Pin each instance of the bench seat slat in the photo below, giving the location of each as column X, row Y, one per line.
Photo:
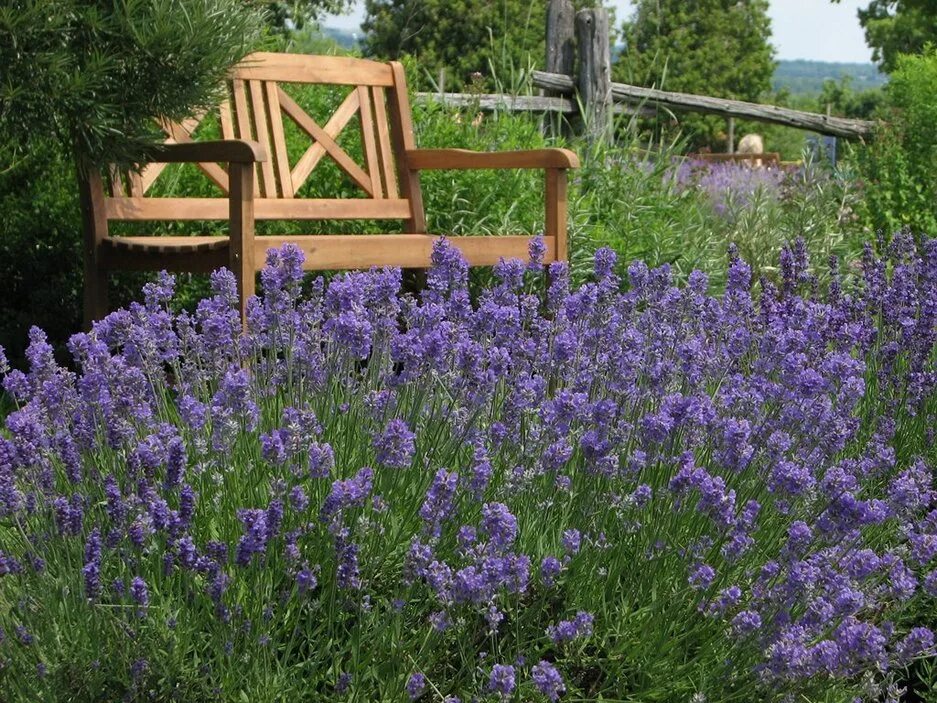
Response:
column 264, row 209
column 159, row 244
column 331, row 251
column 328, row 251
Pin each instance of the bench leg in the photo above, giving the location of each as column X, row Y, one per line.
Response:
column 241, row 203
column 95, row 292
column 94, row 226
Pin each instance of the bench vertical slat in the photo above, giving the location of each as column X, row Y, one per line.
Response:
column 224, row 114
column 268, row 182
column 279, row 153
column 136, row 185
column 368, row 142
column 243, row 117
column 385, row 153
column 115, row 183
column 401, row 126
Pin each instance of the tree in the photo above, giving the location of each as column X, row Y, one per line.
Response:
column 459, row 35
column 894, row 27
column 709, row 47
column 93, row 75
column 295, row 14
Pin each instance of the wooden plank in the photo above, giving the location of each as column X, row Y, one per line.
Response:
column 199, row 262
column 268, row 184
column 426, row 159
column 243, row 115
column 149, row 175
column 227, row 123
column 368, row 142
column 94, row 225
column 823, row 124
column 489, row 102
column 199, row 153
column 166, row 245
column 264, row 209
column 401, row 131
column 279, row 155
column 557, row 208
column 302, row 68
column 385, row 153
column 136, row 184
column 115, row 183
column 595, row 71
column 224, row 150
column 333, row 127
column 312, row 128
column 561, row 45
column 325, row 252
column 241, row 233
column 494, row 102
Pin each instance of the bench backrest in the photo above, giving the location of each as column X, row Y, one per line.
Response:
column 256, row 108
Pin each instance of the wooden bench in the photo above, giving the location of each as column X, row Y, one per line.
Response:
column 768, row 158
column 256, row 180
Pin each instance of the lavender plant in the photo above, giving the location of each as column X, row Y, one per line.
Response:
column 617, row 492
column 761, row 208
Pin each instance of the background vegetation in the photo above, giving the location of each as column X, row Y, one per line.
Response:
column 714, row 47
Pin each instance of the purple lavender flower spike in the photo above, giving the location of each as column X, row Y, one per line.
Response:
column 548, row 680
column 416, row 685
column 502, row 679
column 139, row 592
column 395, row 445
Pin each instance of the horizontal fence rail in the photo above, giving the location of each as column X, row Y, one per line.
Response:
column 490, row 102
column 624, row 93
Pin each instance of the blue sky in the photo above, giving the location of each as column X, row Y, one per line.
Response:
column 802, row 29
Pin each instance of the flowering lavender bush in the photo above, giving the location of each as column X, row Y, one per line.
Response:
column 730, row 186
column 760, row 209
column 651, row 494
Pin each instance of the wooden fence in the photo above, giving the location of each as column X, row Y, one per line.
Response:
column 584, row 88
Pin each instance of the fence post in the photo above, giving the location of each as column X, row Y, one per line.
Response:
column 595, row 71
column 561, row 46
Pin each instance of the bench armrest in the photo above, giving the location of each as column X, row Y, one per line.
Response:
column 221, row 150
column 427, row 159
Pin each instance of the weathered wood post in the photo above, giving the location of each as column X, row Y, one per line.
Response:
column 560, row 58
column 561, row 44
column 595, row 71
column 731, row 145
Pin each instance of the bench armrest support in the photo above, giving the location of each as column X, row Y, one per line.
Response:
column 239, row 151
column 430, row 159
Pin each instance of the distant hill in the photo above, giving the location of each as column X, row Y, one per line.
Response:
column 802, row 76
column 343, row 37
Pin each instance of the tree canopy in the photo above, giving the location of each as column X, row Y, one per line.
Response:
column 894, row 27
column 712, row 47
column 93, row 74
column 459, row 35
column 709, row 47
column 286, row 14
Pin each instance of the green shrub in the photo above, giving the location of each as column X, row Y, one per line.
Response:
column 897, row 167
column 93, row 74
